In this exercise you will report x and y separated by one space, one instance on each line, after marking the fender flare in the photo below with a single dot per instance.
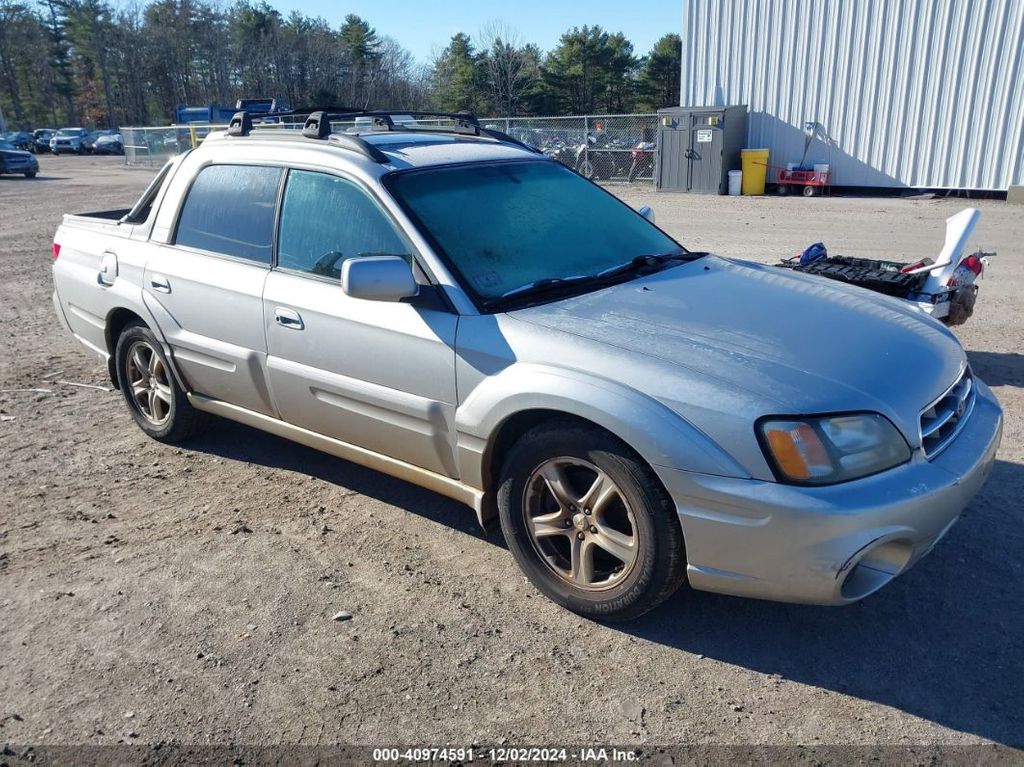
661 436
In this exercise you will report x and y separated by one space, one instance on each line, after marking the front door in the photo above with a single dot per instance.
377 374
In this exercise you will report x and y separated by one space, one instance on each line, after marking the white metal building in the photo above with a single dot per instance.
915 93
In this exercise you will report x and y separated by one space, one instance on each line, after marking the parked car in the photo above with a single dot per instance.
69 140
20 140
14 161
457 310
90 139
108 143
41 138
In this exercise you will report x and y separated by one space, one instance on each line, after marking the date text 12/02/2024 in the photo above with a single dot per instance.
504 754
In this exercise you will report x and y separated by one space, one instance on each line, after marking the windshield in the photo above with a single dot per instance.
506 226
6 145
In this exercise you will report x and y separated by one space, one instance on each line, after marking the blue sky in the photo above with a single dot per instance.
423 27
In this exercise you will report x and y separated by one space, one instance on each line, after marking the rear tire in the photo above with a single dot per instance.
30 174
810 191
602 538
158 405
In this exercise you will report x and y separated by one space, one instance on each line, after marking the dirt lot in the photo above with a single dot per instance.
133 609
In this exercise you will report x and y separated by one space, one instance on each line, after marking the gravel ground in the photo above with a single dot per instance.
184 594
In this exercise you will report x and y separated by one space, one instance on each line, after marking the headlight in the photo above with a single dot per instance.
830 449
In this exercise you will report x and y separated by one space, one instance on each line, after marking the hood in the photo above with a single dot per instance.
20 153
799 344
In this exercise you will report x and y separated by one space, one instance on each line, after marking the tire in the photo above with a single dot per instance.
158 405
586 169
569 561
783 190
810 191
30 174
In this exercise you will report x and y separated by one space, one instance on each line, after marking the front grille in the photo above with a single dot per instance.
942 420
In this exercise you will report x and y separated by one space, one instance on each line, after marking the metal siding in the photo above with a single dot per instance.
918 93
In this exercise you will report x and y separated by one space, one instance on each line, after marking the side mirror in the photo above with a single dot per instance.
647 212
378 278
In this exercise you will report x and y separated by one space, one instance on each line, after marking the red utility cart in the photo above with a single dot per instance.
813 182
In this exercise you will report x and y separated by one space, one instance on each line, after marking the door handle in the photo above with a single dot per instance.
288 318
160 283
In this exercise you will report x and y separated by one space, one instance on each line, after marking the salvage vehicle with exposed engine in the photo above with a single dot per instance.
433 299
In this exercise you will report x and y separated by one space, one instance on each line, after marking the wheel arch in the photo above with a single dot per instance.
118 319
506 406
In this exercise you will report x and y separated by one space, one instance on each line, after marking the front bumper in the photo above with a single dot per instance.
830 545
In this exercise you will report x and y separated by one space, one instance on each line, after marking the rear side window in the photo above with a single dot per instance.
326 220
230 210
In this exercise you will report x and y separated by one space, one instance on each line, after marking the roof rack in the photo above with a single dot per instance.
240 124
318 126
466 123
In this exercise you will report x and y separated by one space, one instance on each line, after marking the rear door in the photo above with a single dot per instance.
205 285
377 374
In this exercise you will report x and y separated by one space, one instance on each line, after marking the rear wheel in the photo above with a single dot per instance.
810 191
157 403
783 190
30 174
589 523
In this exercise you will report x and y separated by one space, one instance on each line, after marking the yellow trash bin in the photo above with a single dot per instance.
755 170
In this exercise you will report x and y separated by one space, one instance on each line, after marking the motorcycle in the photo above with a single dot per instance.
943 288
643 161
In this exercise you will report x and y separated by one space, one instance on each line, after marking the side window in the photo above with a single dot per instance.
326 219
230 210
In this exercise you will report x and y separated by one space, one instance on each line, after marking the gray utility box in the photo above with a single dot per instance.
698 146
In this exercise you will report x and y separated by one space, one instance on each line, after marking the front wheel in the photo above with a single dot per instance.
589 523
30 174
157 403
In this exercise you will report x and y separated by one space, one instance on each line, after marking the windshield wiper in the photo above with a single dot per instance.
648 263
544 285
640 264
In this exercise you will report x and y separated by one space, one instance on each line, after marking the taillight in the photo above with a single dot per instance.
56 250
973 263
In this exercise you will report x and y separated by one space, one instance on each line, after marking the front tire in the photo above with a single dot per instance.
589 522
157 403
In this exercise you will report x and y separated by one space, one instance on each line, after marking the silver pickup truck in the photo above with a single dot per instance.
430 298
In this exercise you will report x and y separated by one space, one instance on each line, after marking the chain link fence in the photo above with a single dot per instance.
601 147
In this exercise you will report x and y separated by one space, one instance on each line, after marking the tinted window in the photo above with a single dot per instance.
230 210
326 219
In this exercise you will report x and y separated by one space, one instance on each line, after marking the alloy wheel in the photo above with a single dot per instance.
580 523
150 386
